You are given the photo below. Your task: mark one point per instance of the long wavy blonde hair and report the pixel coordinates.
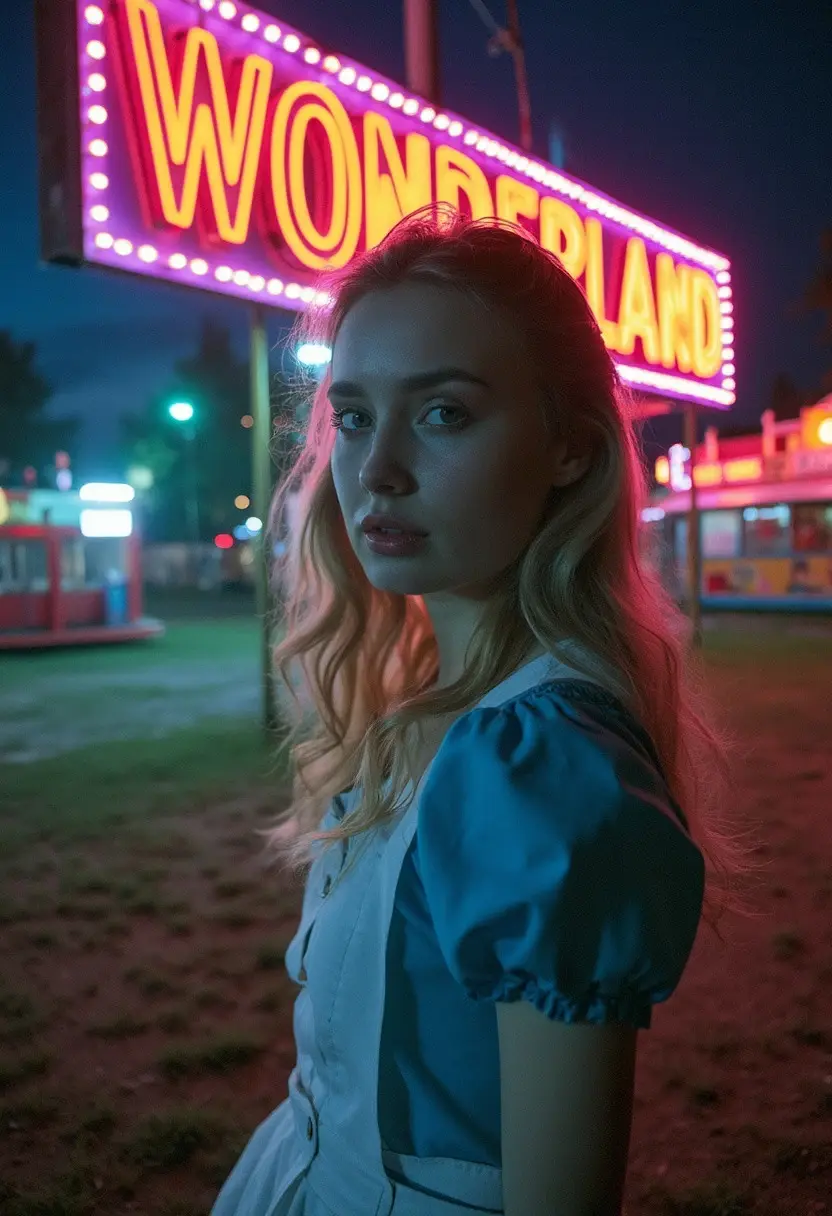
(364, 660)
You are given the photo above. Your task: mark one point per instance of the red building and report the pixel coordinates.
(70, 568)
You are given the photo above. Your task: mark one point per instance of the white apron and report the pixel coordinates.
(320, 1152)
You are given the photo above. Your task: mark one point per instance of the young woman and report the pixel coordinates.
(501, 779)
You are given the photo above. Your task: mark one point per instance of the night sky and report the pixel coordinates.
(714, 117)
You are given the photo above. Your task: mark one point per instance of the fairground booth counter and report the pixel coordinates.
(765, 514)
(206, 144)
(70, 568)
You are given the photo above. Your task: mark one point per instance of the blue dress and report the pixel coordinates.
(541, 859)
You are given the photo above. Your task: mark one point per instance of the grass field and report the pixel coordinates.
(62, 701)
(145, 1015)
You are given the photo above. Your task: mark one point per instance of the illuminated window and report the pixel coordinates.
(7, 579)
(812, 527)
(103, 556)
(72, 564)
(23, 566)
(767, 531)
(721, 533)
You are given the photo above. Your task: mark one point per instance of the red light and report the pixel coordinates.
(224, 541)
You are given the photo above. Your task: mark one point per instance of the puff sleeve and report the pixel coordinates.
(555, 865)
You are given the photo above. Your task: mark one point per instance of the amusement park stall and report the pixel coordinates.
(764, 511)
(70, 568)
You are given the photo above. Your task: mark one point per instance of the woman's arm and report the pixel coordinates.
(567, 1103)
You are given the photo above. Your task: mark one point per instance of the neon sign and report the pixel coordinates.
(225, 151)
(673, 470)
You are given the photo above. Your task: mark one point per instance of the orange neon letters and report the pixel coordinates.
(311, 246)
(594, 281)
(706, 335)
(515, 199)
(637, 309)
(392, 193)
(457, 174)
(673, 296)
(201, 137)
(562, 231)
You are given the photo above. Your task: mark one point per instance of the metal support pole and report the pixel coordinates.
(524, 104)
(421, 48)
(261, 436)
(694, 547)
(135, 585)
(192, 496)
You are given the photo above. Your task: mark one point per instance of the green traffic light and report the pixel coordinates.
(181, 411)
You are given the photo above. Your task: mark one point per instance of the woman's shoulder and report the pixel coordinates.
(558, 706)
(582, 702)
(568, 735)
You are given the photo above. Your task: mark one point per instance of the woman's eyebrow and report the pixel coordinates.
(420, 380)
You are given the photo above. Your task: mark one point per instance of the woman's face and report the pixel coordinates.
(441, 427)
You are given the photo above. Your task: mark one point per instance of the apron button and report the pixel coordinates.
(327, 884)
(310, 1131)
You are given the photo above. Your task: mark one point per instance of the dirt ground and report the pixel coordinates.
(147, 1018)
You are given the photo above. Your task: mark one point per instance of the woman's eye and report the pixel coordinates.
(337, 418)
(461, 415)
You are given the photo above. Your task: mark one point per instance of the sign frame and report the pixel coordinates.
(122, 186)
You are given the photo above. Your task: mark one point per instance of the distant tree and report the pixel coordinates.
(215, 380)
(148, 446)
(26, 438)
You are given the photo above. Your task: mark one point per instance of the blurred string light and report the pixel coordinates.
(140, 477)
(313, 354)
(106, 491)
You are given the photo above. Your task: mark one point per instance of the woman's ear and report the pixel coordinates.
(568, 465)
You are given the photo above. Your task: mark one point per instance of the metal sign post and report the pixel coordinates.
(694, 547)
(261, 437)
